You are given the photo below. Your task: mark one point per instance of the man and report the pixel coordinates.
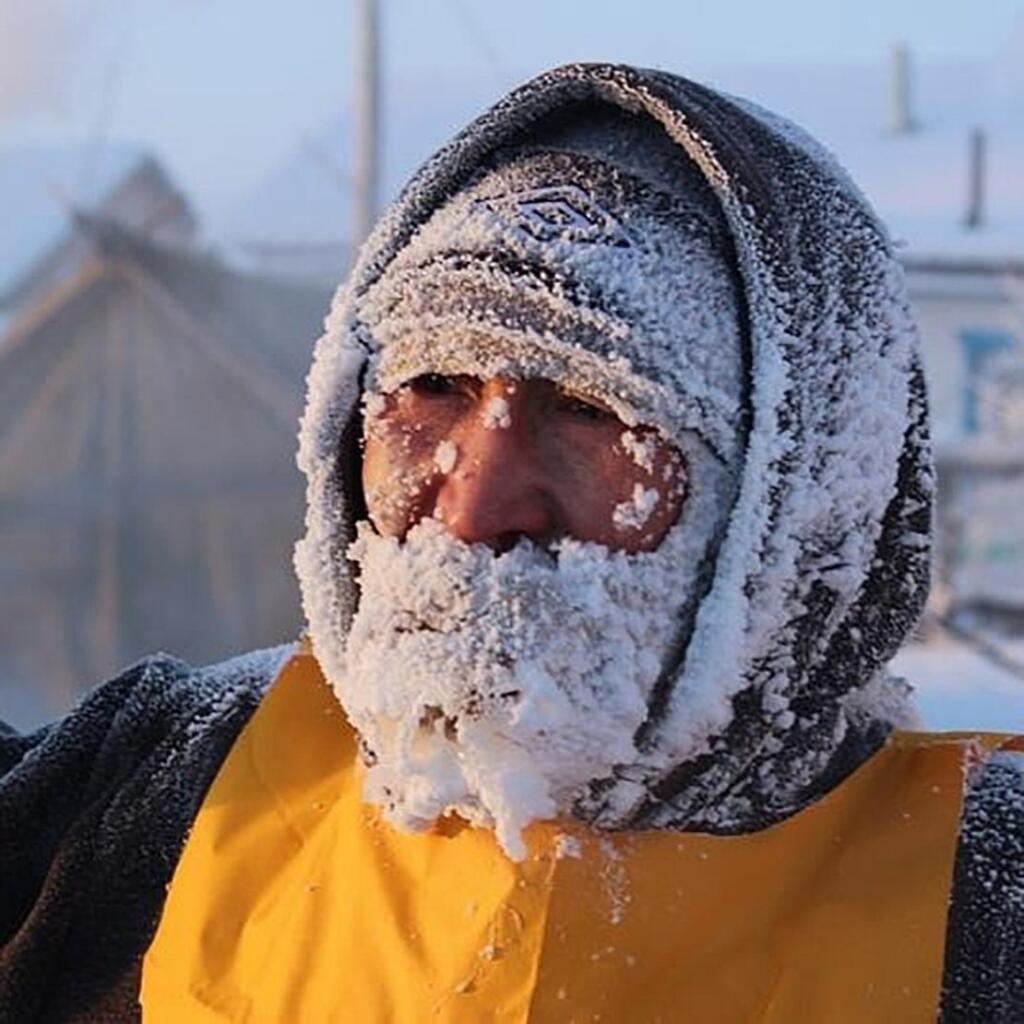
(619, 502)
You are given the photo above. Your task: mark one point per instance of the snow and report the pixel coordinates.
(634, 513)
(957, 688)
(640, 449)
(497, 414)
(917, 181)
(567, 846)
(789, 481)
(374, 405)
(498, 685)
(446, 455)
(615, 882)
(637, 309)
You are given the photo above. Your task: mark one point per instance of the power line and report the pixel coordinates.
(981, 645)
(478, 37)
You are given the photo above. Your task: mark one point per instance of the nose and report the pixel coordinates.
(498, 490)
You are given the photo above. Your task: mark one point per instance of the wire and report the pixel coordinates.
(110, 95)
(981, 645)
(478, 37)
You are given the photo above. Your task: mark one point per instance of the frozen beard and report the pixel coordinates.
(497, 686)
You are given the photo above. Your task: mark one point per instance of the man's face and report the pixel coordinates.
(499, 459)
(494, 678)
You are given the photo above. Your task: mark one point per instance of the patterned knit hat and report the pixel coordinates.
(559, 262)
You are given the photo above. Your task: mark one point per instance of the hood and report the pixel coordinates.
(780, 689)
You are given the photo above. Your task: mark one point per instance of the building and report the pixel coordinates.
(42, 184)
(149, 498)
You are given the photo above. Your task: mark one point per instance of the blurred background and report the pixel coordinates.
(183, 183)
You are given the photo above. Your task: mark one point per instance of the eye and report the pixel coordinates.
(586, 409)
(441, 384)
(433, 384)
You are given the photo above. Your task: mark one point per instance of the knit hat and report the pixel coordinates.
(558, 262)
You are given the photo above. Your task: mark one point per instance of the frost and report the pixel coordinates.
(496, 685)
(988, 916)
(615, 881)
(445, 456)
(620, 302)
(567, 846)
(374, 404)
(497, 414)
(634, 513)
(640, 449)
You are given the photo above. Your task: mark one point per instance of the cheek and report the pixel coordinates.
(399, 471)
(407, 454)
(623, 495)
(662, 492)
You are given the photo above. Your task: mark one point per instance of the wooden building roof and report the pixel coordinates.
(148, 493)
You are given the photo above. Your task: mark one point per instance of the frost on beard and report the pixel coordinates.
(497, 686)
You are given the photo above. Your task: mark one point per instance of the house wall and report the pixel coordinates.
(149, 498)
(972, 327)
(950, 305)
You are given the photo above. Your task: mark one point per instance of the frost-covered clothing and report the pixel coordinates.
(779, 689)
(372, 923)
(778, 681)
(95, 811)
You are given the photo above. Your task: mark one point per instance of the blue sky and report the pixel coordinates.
(224, 88)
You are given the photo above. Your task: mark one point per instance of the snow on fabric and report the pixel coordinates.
(560, 265)
(498, 685)
(777, 686)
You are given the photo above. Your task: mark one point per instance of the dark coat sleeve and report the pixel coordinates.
(94, 811)
(984, 969)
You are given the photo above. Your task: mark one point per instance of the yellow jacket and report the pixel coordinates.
(294, 901)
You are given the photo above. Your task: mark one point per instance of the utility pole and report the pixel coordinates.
(366, 120)
(903, 122)
(975, 216)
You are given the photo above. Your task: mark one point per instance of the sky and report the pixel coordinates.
(222, 89)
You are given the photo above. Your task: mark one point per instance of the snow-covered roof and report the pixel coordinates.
(40, 182)
(917, 181)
